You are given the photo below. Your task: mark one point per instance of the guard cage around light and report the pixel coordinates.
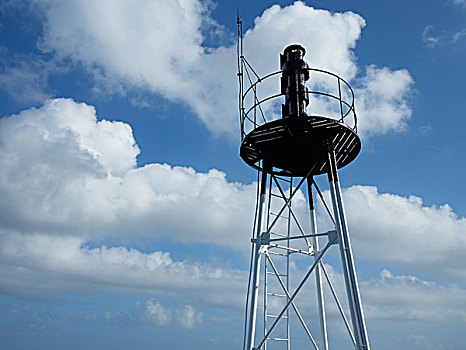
(330, 96)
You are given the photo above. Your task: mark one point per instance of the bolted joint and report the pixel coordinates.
(265, 238)
(333, 236)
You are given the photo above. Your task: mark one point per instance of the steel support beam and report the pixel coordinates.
(256, 263)
(349, 271)
(320, 293)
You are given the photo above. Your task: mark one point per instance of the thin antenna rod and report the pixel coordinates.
(239, 55)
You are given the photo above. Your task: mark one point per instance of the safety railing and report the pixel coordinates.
(330, 96)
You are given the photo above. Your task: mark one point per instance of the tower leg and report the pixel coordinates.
(349, 271)
(256, 263)
(320, 294)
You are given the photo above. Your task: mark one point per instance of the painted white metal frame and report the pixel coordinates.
(272, 245)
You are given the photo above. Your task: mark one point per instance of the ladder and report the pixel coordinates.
(273, 292)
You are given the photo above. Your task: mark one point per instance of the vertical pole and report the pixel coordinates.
(351, 268)
(349, 292)
(288, 233)
(265, 301)
(256, 262)
(352, 288)
(320, 294)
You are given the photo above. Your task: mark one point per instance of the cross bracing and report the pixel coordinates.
(284, 236)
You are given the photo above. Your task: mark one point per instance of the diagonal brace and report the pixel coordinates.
(317, 260)
(291, 197)
(292, 212)
(292, 303)
(337, 301)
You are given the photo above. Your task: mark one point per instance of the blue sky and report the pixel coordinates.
(126, 212)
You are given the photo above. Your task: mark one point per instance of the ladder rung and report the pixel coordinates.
(282, 179)
(275, 316)
(276, 295)
(291, 250)
(278, 234)
(281, 216)
(277, 195)
(278, 339)
(273, 273)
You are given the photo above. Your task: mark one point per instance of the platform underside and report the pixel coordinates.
(292, 146)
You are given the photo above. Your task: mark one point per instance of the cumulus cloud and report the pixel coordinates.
(326, 49)
(63, 172)
(407, 297)
(59, 186)
(382, 100)
(62, 169)
(65, 123)
(153, 312)
(401, 230)
(153, 45)
(69, 266)
(394, 296)
(159, 46)
(188, 317)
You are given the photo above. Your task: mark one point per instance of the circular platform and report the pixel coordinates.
(293, 145)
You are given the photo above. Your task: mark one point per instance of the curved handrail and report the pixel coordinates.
(346, 105)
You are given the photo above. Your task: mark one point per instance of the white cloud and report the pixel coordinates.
(421, 342)
(25, 77)
(154, 45)
(153, 312)
(432, 41)
(395, 297)
(326, 49)
(402, 231)
(407, 297)
(108, 315)
(64, 173)
(110, 146)
(23, 83)
(382, 100)
(458, 35)
(68, 265)
(188, 317)
(55, 178)
(62, 169)
(428, 39)
(159, 46)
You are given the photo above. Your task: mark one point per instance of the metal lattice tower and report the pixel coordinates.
(288, 147)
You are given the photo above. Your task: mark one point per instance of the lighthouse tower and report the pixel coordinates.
(306, 128)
